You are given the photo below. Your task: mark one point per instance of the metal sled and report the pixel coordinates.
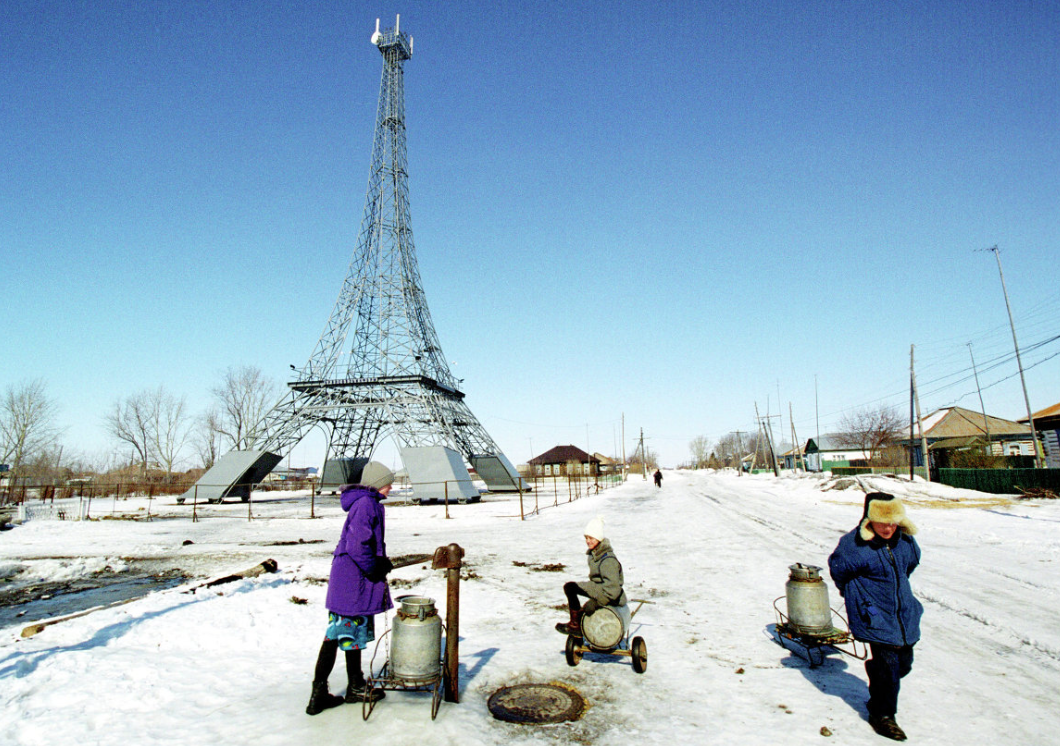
(813, 647)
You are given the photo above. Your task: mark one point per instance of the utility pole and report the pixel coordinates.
(767, 429)
(795, 440)
(1019, 362)
(912, 388)
(919, 420)
(625, 464)
(739, 453)
(643, 456)
(816, 410)
(986, 422)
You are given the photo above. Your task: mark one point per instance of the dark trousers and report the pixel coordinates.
(885, 669)
(326, 662)
(573, 590)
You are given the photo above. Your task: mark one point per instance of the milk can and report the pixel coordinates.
(416, 647)
(807, 596)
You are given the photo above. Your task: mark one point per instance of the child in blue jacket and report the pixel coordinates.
(871, 568)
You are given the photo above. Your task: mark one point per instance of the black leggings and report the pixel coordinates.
(326, 662)
(573, 590)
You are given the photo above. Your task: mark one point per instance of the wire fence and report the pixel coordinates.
(22, 500)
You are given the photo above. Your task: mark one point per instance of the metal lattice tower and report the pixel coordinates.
(378, 369)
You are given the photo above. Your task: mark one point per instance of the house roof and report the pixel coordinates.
(563, 454)
(829, 442)
(1049, 415)
(952, 444)
(957, 422)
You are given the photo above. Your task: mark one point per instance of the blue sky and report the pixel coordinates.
(668, 210)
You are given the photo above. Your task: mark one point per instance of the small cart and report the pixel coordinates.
(606, 631)
(414, 660)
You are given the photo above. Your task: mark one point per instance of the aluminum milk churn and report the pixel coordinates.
(416, 647)
(807, 596)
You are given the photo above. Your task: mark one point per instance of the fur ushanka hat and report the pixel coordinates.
(881, 507)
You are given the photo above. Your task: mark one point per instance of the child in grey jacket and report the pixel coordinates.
(604, 587)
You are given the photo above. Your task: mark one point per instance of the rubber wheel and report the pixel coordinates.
(639, 655)
(368, 704)
(573, 656)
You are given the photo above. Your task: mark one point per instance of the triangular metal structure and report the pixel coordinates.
(378, 369)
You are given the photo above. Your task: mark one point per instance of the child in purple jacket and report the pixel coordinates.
(357, 588)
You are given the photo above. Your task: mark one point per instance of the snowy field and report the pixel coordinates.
(233, 664)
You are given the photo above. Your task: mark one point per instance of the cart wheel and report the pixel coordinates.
(573, 656)
(436, 696)
(639, 655)
(368, 704)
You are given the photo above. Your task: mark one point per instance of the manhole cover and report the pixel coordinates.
(536, 703)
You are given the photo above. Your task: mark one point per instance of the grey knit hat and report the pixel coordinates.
(376, 475)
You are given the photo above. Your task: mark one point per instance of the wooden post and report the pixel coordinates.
(450, 558)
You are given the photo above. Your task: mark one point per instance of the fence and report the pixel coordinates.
(560, 487)
(1001, 481)
(76, 501)
(852, 471)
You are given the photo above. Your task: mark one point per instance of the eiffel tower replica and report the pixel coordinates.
(378, 370)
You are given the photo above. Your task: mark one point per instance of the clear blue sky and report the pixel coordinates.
(666, 210)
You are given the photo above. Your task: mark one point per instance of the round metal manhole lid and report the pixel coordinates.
(536, 703)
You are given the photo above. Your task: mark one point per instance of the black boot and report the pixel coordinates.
(357, 690)
(321, 700)
(360, 692)
(887, 727)
(573, 627)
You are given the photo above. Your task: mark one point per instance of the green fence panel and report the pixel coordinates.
(1001, 481)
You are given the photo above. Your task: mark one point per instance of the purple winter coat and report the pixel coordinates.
(360, 548)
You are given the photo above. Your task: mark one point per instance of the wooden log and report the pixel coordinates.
(261, 568)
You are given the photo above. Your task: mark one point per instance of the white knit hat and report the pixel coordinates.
(595, 528)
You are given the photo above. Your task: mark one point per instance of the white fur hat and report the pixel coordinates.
(595, 528)
(881, 507)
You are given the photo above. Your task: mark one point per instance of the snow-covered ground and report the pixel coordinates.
(232, 665)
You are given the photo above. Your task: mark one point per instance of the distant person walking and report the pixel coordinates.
(357, 588)
(658, 478)
(871, 568)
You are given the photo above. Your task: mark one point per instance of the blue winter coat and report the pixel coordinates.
(873, 578)
(358, 555)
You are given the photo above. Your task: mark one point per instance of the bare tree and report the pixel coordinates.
(205, 438)
(131, 421)
(154, 423)
(243, 397)
(170, 428)
(700, 448)
(27, 423)
(870, 430)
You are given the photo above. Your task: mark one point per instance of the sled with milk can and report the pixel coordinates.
(809, 627)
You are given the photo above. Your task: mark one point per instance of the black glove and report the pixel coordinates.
(590, 607)
(382, 568)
